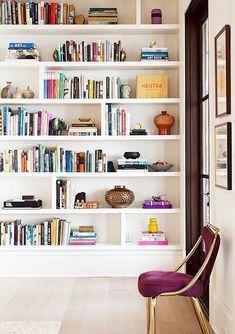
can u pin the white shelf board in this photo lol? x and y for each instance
(91, 175)
(88, 138)
(119, 29)
(97, 247)
(19, 65)
(37, 101)
(88, 211)
(128, 65)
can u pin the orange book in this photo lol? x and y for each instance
(82, 162)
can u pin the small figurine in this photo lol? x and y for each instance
(122, 55)
(153, 44)
(57, 127)
(80, 198)
(55, 55)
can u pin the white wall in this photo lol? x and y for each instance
(222, 287)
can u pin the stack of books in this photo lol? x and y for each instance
(151, 54)
(89, 52)
(84, 236)
(117, 121)
(134, 165)
(102, 16)
(152, 239)
(23, 123)
(58, 86)
(22, 51)
(48, 233)
(30, 12)
(42, 159)
(63, 194)
(83, 128)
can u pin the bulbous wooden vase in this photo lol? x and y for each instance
(164, 123)
(119, 197)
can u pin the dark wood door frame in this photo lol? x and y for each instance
(195, 16)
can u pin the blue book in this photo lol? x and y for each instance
(5, 111)
(21, 46)
(68, 161)
(110, 119)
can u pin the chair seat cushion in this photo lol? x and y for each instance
(153, 283)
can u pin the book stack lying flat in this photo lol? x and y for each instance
(134, 165)
(117, 121)
(58, 86)
(83, 238)
(83, 128)
(103, 16)
(41, 159)
(48, 233)
(22, 51)
(148, 239)
(151, 54)
(30, 12)
(71, 51)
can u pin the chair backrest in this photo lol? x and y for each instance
(208, 236)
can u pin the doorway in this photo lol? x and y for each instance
(197, 130)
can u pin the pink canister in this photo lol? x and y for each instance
(156, 16)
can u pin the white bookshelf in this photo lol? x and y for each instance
(116, 252)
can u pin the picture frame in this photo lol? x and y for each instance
(223, 72)
(223, 156)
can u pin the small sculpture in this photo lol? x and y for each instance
(79, 19)
(28, 93)
(125, 91)
(57, 127)
(153, 44)
(122, 55)
(55, 55)
(80, 198)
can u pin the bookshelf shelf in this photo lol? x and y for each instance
(120, 29)
(87, 138)
(113, 226)
(159, 101)
(52, 212)
(93, 175)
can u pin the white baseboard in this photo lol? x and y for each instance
(220, 315)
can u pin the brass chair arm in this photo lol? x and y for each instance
(196, 277)
(189, 254)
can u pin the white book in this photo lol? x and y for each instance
(19, 12)
(46, 233)
(106, 120)
(128, 123)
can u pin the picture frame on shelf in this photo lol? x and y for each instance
(223, 156)
(223, 72)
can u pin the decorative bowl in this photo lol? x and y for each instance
(159, 168)
(131, 155)
(119, 197)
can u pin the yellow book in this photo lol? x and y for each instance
(152, 86)
(90, 89)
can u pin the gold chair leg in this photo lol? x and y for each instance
(148, 305)
(200, 315)
(153, 315)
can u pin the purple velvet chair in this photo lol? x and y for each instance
(152, 284)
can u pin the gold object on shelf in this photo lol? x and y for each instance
(119, 197)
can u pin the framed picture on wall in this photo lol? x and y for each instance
(222, 72)
(223, 156)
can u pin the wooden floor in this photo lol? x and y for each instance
(92, 306)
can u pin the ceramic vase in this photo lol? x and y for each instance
(164, 123)
(28, 93)
(17, 94)
(119, 197)
(8, 91)
(125, 91)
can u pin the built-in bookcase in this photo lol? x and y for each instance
(116, 252)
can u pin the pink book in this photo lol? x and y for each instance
(153, 243)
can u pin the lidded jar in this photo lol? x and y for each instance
(164, 123)
(152, 226)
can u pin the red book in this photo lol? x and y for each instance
(52, 18)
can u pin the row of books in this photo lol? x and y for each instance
(154, 54)
(52, 233)
(58, 86)
(22, 51)
(42, 159)
(117, 121)
(71, 51)
(20, 122)
(102, 16)
(154, 239)
(83, 128)
(15, 12)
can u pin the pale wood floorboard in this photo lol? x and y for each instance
(92, 306)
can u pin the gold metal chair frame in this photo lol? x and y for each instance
(151, 302)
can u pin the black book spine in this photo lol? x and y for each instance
(58, 185)
(83, 51)
(42, 233)
(49, 234)
(107, 87)
(89, 52)
(67, 51)
(17, 13)
(36, 13)
(32, 12)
